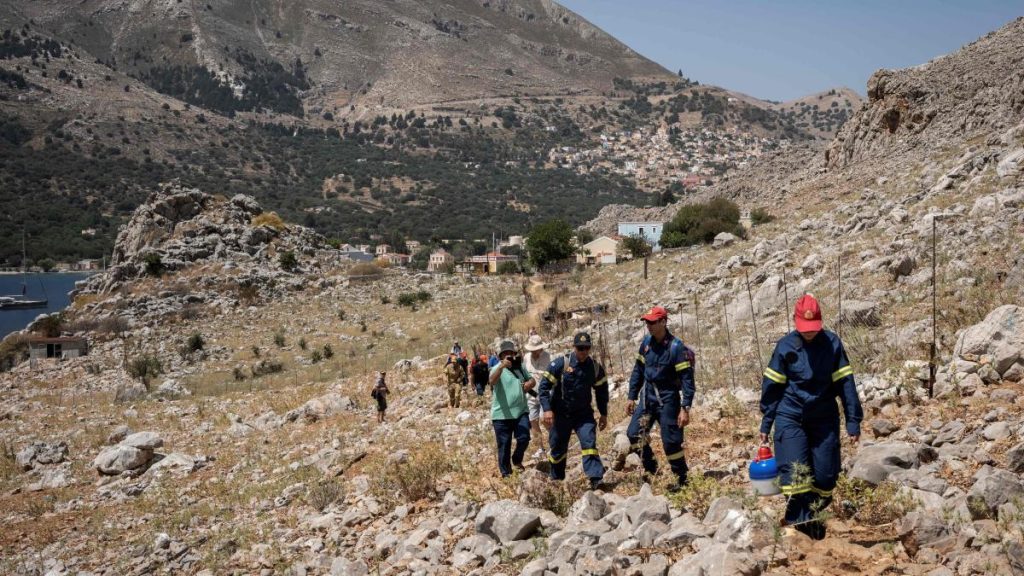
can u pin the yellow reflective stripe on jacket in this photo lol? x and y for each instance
(550, 378)
(601, 382)
(640, 358)
(792, 489)
(842, 373)
(682, 366)
(676, 456)
(554, 460)
(590, 452)
(777, 377)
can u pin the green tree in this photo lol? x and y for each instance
(549, 242)
(584, 236)
(636, 246)
(700, 223)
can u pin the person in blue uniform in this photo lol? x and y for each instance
(807, 372)
(567, 389)
(662, 381)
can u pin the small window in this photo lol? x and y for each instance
(641, 230)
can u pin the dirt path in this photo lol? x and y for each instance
(540, 300)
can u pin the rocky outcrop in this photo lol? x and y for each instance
(970, 91)
(177, 227)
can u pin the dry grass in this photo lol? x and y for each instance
(270, 219)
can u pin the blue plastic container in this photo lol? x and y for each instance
(764, 473)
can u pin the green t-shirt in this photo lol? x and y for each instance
(508, 402)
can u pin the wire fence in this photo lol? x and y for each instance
(733, 331)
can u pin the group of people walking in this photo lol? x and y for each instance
(808, 371)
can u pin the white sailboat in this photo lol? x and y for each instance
(20, 302)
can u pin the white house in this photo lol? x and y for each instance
(440, 261)
(599, 251)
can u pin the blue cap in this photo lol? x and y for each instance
(582, 340)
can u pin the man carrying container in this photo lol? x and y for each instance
(567, 388)
(807, 372)
(662, 380)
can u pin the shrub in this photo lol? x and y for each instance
(760, 216)
(415, 479)
(316, 356)
(302, 342)
(270, 219)
(509, 268)
(328, 351)
(288, 261)
(238, 373)
(700, 223)
(699, 492)
(115, 325)
(248, 293)
(267, 367)
(144, 368)
(153, 264)
(365, 269)
(411, 299)
(13, 350)
(195, 343)
(324, 493)
(49, 326)
(870, 505)
(279, 340)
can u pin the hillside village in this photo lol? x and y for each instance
(658, 158)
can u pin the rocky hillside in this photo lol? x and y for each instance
(330, 56)
(353, 118)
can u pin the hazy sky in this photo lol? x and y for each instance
(784, 49)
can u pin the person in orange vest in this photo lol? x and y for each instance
(807, 372)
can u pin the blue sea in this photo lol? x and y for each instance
(55, 287)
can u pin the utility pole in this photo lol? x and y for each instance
(931, 361)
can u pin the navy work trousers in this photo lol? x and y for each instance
(558, 439)
(504, 432)
(807, 452)
(665, 413)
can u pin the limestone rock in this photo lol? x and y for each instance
(873, 464)
(507, 521)
(144, 441)
(724, 239)
(41, 454)
(118, 459)
(992, 488)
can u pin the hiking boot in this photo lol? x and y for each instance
(596, 483)
(676, 487)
